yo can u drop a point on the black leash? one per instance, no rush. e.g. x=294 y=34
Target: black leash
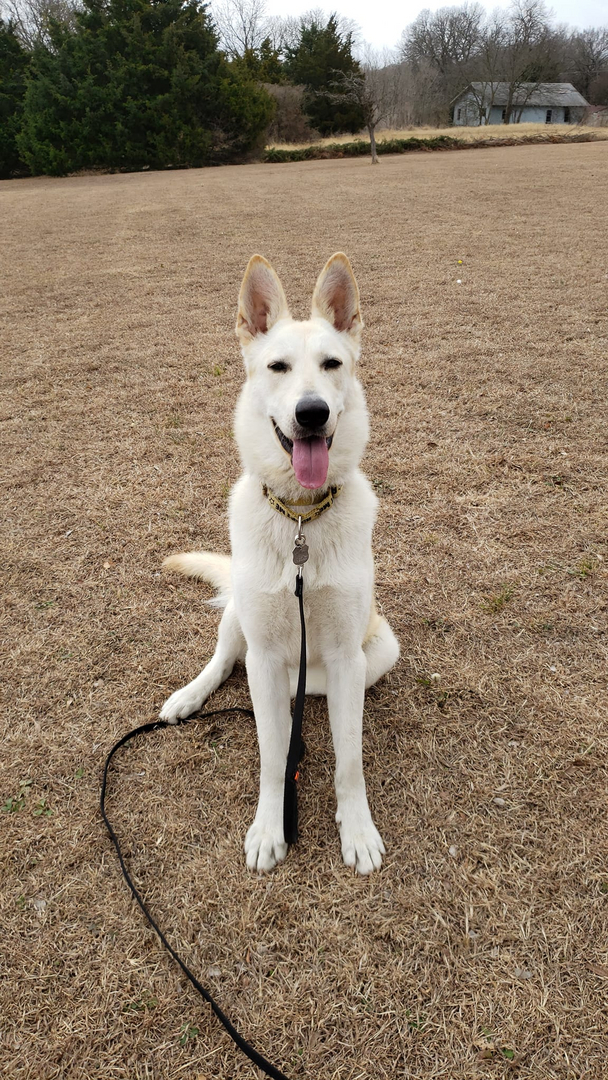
x=250 y=1052
x=296 y=745
x=290 y=812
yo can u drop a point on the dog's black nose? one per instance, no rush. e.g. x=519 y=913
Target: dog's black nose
x=312 y=412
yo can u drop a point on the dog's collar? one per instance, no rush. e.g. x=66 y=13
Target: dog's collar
x=285 y=508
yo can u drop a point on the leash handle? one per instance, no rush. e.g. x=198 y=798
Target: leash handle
x=258 y=1059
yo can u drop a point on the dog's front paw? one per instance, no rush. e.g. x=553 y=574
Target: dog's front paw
x=362 y=845
x=264 y=846
x=181 y=704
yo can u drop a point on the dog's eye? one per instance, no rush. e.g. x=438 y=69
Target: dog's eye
x=278 y=365
x=331 y=363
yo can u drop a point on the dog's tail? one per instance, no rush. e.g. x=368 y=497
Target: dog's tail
x=206 y=566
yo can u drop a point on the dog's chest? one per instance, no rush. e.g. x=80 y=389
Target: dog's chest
x=271 y=621
x=338 y=574
x=337 y=591
x=338 y=542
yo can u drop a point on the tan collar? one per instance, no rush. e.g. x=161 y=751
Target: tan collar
x=316 y=509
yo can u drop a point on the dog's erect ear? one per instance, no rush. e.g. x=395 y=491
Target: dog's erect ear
x=336 y=296
x=261 y=300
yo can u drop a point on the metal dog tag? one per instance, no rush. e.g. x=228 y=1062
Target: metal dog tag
x=300 y=554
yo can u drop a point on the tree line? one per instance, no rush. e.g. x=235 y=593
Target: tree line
x=443 y=51
x=130 y=84
x=438 y=55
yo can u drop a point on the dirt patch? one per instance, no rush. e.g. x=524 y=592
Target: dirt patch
x=481 y=948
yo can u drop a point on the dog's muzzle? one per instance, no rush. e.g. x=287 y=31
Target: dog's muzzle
x=309 y=451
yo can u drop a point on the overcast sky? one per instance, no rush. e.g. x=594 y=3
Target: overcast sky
x=382 y=21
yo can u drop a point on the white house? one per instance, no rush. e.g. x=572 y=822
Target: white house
x=533 y=103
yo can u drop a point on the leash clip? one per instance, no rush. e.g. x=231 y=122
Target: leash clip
x=300 y=551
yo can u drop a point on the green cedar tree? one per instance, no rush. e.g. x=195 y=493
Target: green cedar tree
x=321 y=53
x=14 y=61
x=140 y=83
x=263 y=63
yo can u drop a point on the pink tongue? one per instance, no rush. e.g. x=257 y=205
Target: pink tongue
x=310 y=462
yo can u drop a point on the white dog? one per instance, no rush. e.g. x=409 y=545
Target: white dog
x=301 y=428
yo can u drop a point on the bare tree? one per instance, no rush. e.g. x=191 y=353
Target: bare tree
x=428 y=96
x=445 y=38
x=289 y=123
x=528 y=55
x=284 y=32
x=488 y=64
x=345 y=26
x=241 y=25
x=439 y=47
x=33 y=18
x=518 y=53
x=451 y=48
x=588 y=57
x=375 y=91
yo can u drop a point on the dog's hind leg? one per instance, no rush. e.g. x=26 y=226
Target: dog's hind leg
x=381 y=653
x=230 y=647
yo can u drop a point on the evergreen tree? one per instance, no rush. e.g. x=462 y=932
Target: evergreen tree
x=139 y=83
x=262 y=63
x=322 y=53
x=13 y=66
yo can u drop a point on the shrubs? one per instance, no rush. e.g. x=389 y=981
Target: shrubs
x=360 y=148
x=290 y=123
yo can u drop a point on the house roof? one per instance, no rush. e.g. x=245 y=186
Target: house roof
x=547 y=94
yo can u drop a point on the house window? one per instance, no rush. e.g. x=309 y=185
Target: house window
x=504 y=115
x=548 y=116
x=566 y=115
x=458 y=114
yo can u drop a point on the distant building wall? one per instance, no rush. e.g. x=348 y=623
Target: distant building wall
x=542 y=114
x=467 y=114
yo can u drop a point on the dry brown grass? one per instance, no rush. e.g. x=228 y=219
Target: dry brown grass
x=481 y=948
x=469 y=134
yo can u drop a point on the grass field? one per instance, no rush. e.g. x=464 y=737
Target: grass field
x=480 y=950
x=470 y=134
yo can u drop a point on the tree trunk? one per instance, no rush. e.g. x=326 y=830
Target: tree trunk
x=372 y=138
